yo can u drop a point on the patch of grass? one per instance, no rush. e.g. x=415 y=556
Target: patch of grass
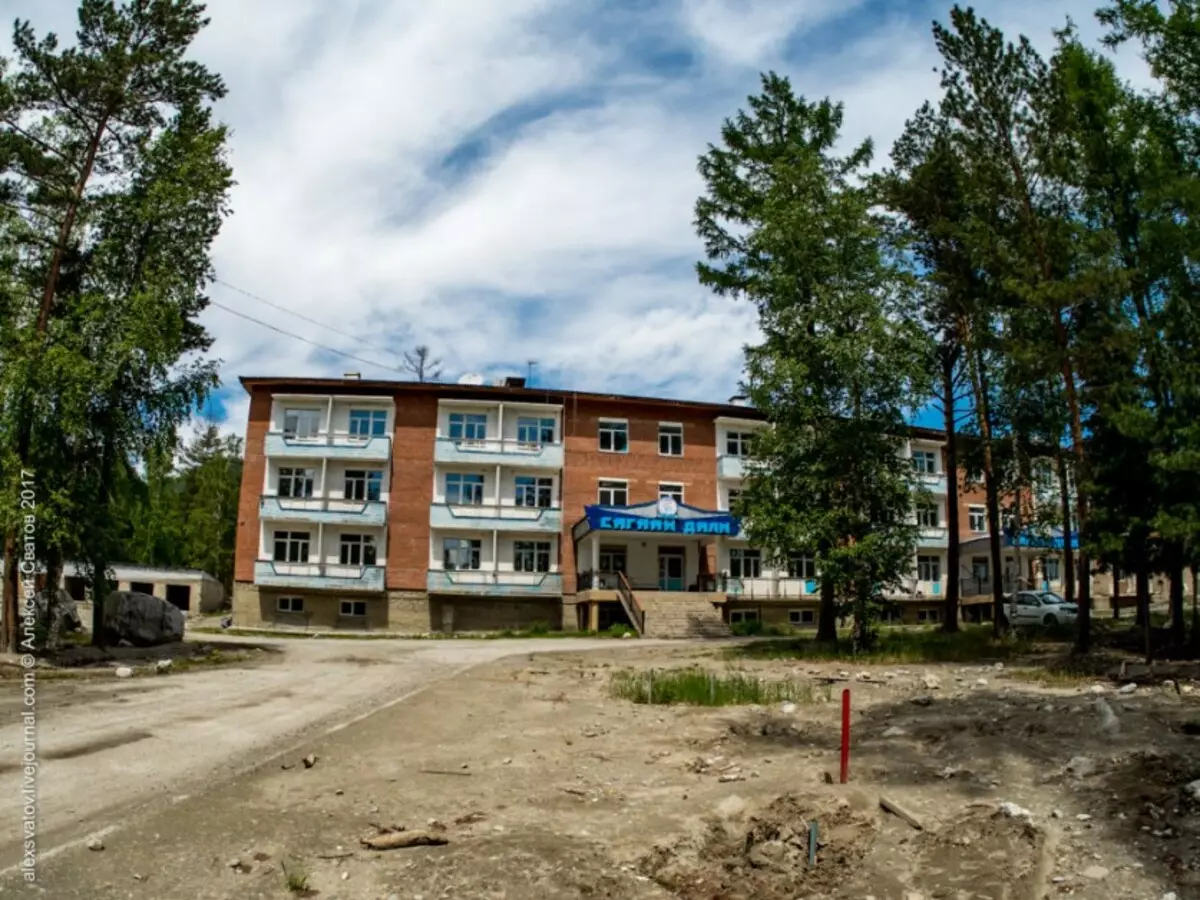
x=294 y=877
x=697 y=687
x=972 y=644
x=755 y=628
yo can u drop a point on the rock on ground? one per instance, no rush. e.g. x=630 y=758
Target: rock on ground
x=140 y=619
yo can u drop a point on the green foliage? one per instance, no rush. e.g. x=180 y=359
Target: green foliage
x=897 y=645
x=697 y=687
x=788 y=225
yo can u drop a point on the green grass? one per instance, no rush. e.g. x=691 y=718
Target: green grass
x=294 y=877
x=972 y=644
x=696 y=687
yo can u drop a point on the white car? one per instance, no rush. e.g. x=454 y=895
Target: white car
x=1041 y=608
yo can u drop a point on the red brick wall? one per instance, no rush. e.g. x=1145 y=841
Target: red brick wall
x=253 y=473
x=411 y=491
x=641 y=467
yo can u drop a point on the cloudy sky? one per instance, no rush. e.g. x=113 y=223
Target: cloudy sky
x=513 y=180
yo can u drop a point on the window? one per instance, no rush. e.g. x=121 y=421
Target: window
x=295 y=482
x=291 y=546
x=1025 y=598
x=468 y=426
x=302 y=424
x=928 y=515
x=1050 y=564
x=977 y=519
x=745 y=562
x=979 y=568
x=737 y=443
x=925 y=461
x=290 y=604
x=674 y=491
x=357 y=550
x=670 y=440
x=613 y=493
x=461 y=553
x=929 y=568
x=804 y=567
x=141 y=587
x=929 y=615
x=742 y=615
x=366 y=423
x=614 y=436
x=353 y=608
x=613 y=559
x=464 y=490
x=531 y=556
x=890 y=617
x=533 y=491
x=363 y=484
x=802 y=616
x=734 y=496
x=535 y=431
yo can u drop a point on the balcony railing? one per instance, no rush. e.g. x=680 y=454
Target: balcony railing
x=495 y=451
x=731 y=466
x=500 y=517
x=767 y=588
x=933 y=536
x=318 y=576
x=934 y=482
x=330 y=444
x=316 y=509
x=490 y=583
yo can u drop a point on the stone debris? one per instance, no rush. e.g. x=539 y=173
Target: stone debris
x=981 y=682
x=163 y=665
x=923 y=700
x=931 y=682
x=1109 y=723
x=1095 y=873
x=895 y=731
x=1081 y=766
x=94 y=843
x=787 y=708
x=1013 y=811
x=1191 y=792
x=1083 y=817
x=1097 y=689
x=124 y=672
x=1127 y=688
x=309 y=761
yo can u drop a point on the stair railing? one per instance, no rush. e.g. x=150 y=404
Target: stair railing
x=629 y=601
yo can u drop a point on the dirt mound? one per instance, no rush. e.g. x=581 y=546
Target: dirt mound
x=767 y=858
x=982 y=854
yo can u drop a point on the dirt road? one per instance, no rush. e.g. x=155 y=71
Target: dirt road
x=108 y=746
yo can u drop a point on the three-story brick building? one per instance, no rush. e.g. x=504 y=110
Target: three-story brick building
x=431 y=507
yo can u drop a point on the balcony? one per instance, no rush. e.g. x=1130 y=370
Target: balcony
x=495 y=584
x=933 y=537
x=319 y=576
x=934 y=482
x=497 y=452
x=316 y=510
x=731 y=467
x=331 y=445
x=500 y=518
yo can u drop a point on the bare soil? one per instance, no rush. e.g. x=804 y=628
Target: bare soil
x=543 y=785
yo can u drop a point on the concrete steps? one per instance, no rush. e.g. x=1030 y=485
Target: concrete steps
x=681 y=615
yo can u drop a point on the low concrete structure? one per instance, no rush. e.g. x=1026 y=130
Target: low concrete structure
x=189 y=590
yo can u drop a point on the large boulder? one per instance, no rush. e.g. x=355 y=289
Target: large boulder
x=141 y=619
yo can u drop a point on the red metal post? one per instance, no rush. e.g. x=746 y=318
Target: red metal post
x=845 y=735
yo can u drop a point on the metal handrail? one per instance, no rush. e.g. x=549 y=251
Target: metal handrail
x=486 y=508
x=321 y=569
x=291 y=504
x=331 y=437
x=490 y=576
x=484 y=445
x=633 y=609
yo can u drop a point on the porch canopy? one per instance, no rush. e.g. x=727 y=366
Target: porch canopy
x=664 y=516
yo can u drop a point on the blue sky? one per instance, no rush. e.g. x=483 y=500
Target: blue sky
x=514 y=180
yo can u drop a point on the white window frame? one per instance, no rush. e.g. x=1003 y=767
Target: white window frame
x=979 y=563
x=977 y=516
x=1051 y=563
x=612 y=428
x=468 y=421
x=477 y=496
x=670 y=433
x=296 y=474
x=373 y=418
x=745 y=562
x=349 y=609
x=929 y=515
x=541 y=489
x=676 y=493
x=539 y=425
x=289 y=604
x=737 y=443
x=299 y=539
x=474 y=549
x=306 y=413
x=928 y=462
x=928 y=564
x=360 y=545
x=532 y=556
x=802 y=567
x=356 y=484
x=611 y=485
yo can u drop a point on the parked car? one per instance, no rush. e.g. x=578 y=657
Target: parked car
x=1040 y=608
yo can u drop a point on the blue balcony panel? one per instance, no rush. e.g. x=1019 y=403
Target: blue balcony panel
x=933 y=537
x=330 y=446
x=330 y=512
x=501 y=518
x=731 y=467
x=495 y=584
x=498 y=453
x=319 y=576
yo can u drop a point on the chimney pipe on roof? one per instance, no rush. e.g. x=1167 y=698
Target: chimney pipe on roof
x=514 y=381
x=352 y=376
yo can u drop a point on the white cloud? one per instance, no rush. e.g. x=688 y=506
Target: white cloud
x=568 y=239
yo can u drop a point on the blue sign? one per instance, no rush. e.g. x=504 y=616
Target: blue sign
x=662 y=518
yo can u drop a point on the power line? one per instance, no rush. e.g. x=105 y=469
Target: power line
x=306 y=340
x=292 y=312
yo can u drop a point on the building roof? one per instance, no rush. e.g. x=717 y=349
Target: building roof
x=368 y=387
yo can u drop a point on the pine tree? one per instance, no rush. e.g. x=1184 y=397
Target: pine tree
x=787 y=224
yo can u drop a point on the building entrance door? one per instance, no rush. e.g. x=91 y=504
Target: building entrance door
x=670 y=568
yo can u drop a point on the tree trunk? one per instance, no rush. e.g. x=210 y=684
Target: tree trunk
x=983 y=414
x=1142 y=616
x=827 y=617
x=1116 y=592
x=950 y=618
x=1064 y=489
x=1178 y=631
x=12 y=607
